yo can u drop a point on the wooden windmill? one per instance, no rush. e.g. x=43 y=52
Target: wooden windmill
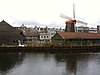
x=71 y=22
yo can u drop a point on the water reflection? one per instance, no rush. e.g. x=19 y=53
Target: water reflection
x=70 y=60
x=9 y=61
x=80 y=64
x=50 y=64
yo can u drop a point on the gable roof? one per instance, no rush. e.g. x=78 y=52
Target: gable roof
x=4 y=26
x=72 y=35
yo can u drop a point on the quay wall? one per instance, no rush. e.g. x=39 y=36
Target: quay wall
x=74 y=49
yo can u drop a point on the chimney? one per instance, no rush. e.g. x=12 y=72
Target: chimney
x=98 y=29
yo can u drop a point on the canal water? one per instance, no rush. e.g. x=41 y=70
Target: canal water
x=49 y=64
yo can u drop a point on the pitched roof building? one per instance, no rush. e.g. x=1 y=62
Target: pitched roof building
x=71 y=35
x=83 y=38
x=9 y=34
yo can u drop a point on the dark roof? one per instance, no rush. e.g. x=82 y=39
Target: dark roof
x=9 y=33
x=72 y=35
x=4 y=26
x=31 y=35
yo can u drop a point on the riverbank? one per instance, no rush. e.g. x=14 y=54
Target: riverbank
x=75 y=49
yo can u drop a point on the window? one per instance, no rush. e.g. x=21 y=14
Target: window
x=44 y=36
x=41 y=36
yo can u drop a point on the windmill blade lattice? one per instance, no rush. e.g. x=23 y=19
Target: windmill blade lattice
x=78 y=21
x=66 y=17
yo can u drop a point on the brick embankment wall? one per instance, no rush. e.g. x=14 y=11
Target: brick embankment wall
x=75 y=49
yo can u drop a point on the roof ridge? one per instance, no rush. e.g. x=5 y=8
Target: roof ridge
x=71 y=35
x=60 y=34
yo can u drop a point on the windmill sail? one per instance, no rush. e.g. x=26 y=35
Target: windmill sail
x=66 y=17
x=74 y=17
x=74 y=11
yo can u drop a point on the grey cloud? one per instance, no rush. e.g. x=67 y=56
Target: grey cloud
x=31 y=23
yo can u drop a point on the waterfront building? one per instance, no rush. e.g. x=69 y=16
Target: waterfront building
x=9 y=34
x=71 y=38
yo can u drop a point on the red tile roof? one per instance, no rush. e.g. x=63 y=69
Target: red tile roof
x=71 y=35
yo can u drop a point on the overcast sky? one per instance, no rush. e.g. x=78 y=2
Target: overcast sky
x=47 y=12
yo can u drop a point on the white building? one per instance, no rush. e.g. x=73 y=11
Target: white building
x=45 y=37
x=82 y=29
x=92 y=30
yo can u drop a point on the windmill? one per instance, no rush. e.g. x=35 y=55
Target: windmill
x=71 y=22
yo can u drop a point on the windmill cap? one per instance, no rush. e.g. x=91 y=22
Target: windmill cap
x=70 y=21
